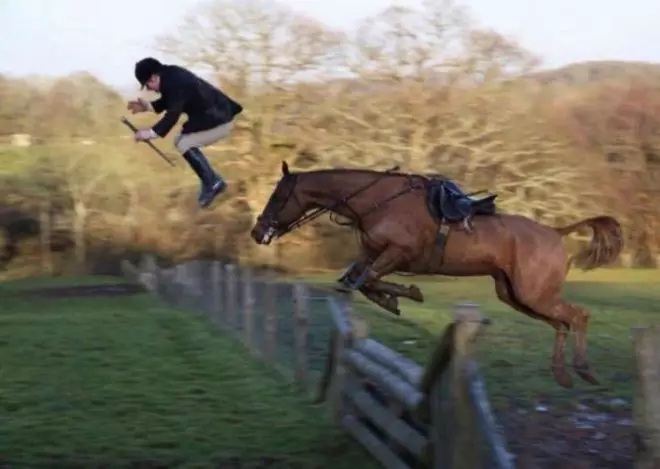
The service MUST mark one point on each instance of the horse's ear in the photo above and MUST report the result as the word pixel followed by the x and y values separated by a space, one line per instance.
pixel 285 168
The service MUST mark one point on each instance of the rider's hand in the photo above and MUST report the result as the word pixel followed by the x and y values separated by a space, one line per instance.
pixel 144 134
pixel 138 105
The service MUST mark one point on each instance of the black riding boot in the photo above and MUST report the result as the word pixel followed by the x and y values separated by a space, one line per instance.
pixel 212 184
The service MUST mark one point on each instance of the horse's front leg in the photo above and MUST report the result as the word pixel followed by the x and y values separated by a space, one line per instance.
pixel 412 292
pixel 387 302
pixel 386 263
pixel 362 272
pixel 353 276
pixel 383 294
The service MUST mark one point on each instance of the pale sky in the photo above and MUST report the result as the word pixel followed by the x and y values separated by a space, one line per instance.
pixel 55 37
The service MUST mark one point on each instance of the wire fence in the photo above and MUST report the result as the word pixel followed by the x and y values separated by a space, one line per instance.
pixel 291 326
pixel 405 414
pixel 285 323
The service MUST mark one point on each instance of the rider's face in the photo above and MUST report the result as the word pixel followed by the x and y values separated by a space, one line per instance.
pixel 153 83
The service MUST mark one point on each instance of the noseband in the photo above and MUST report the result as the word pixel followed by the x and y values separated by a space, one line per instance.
pixel 271 220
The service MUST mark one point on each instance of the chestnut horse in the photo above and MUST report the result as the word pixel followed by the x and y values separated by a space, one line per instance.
pixel 402 229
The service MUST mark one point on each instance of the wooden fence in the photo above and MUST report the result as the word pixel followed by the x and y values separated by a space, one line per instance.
pixel 408 416
pixel 405 415
pixel 647 397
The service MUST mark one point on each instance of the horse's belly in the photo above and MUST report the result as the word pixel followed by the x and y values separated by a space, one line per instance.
pixel 462 255
pixel 437 267
pixel 464 270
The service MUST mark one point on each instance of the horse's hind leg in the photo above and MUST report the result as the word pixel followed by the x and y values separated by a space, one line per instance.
pixel 580 316
pixel 506 294
pixel 576 317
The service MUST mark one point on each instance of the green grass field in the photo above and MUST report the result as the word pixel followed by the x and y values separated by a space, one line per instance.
pixel 125 382
pixel 514 351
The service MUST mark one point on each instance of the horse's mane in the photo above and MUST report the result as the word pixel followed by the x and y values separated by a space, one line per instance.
pixel 374 172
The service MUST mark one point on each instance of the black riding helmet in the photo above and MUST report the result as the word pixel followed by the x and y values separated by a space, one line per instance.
pixel 145 68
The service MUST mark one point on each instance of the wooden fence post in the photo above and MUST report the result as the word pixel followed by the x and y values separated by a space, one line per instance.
pixel 230 297
pixel 269 348
pixel 158 280
pixel 466 444
pixel 342 335
pixel 45 236
pixel 192 295
pixel 647 397
pixel 248 308
pixel 217 284
pixel 167 279
pixel 177 288
pixel 185 278
pixel 300 331
pixel 149 276
pixel 193 271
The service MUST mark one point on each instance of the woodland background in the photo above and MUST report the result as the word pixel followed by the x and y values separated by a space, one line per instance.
pixel 427 89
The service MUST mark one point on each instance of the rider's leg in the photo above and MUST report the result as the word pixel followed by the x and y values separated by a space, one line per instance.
pixel 189 146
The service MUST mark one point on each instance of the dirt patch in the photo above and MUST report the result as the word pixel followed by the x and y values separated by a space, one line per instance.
pixel 555 439
pixel 119 289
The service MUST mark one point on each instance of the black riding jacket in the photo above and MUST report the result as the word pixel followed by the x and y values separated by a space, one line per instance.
pixel 183 92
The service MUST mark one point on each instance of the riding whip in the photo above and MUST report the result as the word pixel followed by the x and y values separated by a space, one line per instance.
pixel 128 124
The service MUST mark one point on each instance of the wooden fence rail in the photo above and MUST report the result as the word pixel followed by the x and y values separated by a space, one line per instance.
pixel 404 414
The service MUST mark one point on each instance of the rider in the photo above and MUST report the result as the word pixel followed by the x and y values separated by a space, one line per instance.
pixel 210 115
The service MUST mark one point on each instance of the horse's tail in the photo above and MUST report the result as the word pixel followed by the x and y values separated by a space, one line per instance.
pixel 605 245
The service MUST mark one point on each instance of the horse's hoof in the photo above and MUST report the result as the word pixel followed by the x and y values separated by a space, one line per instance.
pixel 562 377
pixel 394 310
pixel 416 293
pixel 392 305
pixel 341 288
pixel 585 372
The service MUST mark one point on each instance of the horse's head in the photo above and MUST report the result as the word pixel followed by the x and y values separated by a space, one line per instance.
pixel 284 207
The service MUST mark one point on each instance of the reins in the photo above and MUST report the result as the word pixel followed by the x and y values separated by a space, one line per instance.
pixel 314 214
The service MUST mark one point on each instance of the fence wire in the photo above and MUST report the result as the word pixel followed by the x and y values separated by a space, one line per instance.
pixel 514 348
pixel 195 286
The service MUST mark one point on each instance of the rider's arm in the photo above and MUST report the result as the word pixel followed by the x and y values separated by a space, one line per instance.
pixel 175 102
pixel 158 105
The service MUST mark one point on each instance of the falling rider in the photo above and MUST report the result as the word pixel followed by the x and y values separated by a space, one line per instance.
pixel 210 117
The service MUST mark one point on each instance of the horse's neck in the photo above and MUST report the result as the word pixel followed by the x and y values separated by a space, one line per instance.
pixel 329 190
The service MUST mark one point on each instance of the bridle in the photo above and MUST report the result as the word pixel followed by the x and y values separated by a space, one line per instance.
pixel 278 230
pixel 271 221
